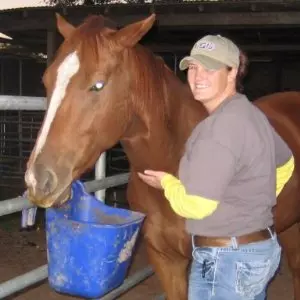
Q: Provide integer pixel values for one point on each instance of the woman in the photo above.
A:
(233, 161)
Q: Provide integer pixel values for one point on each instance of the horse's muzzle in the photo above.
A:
(43, 188)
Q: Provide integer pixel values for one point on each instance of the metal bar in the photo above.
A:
(23, 281)
(20, 282)
(227, 19)
(107, 182)
(284, 13)
(13, 205)
(22, 103)
(100, 169)
(130, 282)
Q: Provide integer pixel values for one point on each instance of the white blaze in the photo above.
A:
(68, 68)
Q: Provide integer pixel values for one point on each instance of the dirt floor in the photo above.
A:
(21, 252)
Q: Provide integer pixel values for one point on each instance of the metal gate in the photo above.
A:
(9, 206)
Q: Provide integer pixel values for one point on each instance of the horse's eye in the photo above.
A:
(98, 86)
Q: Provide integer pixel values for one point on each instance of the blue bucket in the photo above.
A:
(90, 244)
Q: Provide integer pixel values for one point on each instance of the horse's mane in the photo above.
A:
(150, 74)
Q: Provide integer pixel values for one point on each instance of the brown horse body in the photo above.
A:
(119, 90)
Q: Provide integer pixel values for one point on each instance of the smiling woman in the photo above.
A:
(221, 179)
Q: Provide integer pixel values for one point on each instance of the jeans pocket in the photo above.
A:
(205, 263)
(252, 277)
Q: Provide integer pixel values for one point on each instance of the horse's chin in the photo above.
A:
(56, 199)
(62, 198)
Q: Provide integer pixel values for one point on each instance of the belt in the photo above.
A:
(257, 236)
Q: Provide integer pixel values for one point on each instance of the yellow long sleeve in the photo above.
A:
(283, 174)
(187, 206)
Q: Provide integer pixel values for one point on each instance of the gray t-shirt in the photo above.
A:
(231, 156)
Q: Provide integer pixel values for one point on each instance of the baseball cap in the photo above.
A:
(213, 52)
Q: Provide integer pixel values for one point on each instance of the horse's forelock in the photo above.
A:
(95, 24)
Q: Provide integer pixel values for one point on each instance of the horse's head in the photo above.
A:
(87, 91)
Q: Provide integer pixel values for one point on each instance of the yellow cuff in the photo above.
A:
(167, 179)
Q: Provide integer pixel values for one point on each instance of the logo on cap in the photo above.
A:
(205, 45)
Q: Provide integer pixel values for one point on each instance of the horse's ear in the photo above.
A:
(129, 35)
(64, 27)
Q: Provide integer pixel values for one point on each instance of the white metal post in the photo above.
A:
(100, 170)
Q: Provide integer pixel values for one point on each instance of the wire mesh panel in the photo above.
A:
(18, 132)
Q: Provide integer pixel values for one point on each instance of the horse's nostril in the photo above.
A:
(46, 179)
(48, 183)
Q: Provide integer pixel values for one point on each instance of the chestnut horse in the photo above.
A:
(104, 87)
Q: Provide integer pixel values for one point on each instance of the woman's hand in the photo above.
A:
(152, 178)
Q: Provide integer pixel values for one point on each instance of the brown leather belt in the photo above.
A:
(257, 236)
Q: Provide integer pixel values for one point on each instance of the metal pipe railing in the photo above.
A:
(23, 281)
(22, 103)
(17, 204)
(13, 205)
(129, 283)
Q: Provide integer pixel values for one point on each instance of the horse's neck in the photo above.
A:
(155, 140)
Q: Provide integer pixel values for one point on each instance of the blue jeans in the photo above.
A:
(239, 272)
